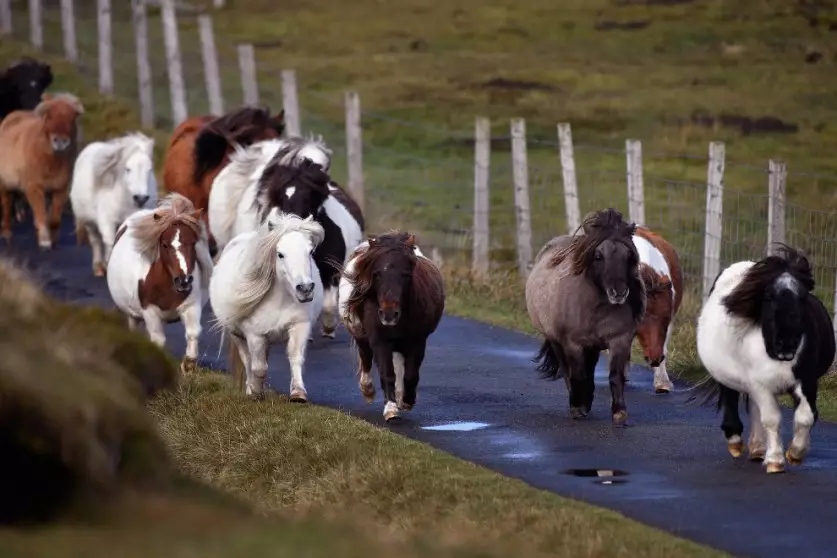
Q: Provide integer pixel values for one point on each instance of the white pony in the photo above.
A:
(159, 271)
(762, 332)
(266, 288)
(111, 180)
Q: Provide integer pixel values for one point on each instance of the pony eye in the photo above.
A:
(280, 255)
(598, 256)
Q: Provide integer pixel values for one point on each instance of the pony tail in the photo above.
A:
(549, 364)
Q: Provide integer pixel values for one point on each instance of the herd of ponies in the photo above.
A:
(253, 223)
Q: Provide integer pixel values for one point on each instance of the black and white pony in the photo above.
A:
(762, 332)
(289, 175)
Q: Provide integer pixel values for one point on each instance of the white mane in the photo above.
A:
(295, 149)
(110, 162)
(259, 272)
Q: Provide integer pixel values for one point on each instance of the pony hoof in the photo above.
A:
(328, 333)
(794, 457)
(391, 411)
(577, 413)
(405, 406)
(368, 392)
(666, 388)
(99, 270)
(620, 418)
(735, 448)
(756, 455)
(775, 468)
(188, 365)
(298, 396)
(259, 396)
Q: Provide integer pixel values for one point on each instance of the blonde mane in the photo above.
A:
(171, 210)
(48, 100)
(259, 262)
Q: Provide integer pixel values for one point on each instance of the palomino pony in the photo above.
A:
(763, 332)
(584, 294)
(252, 185)
(39, 149)
(391, 300)
(659, 268)
(266, 288)
(111, 180)
(200, 147)
(159, 271)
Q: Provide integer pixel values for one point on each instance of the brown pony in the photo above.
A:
(200, 147)
(391, 300)
(39, 148)
(659, 268)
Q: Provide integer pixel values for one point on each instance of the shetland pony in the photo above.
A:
(391, 300)
(111, 180)
(159, 270)
(39, 148)
(659, 269)
(265, 289)
(287, 175)
(762, 332)
(22, 84)
(200, 146)
(584, 294)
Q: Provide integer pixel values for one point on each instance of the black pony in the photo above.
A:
(763, 332)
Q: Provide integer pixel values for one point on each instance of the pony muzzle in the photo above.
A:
(655, 362)
(140, 201)
(183, 283)
(389, 315)
(614, 297)
(60, 143)
(305, 292)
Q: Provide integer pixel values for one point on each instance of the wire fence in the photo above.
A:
(421, 177)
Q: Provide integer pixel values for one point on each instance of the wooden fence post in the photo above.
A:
(218, 3)
(247, 67)
(776, 204)
(520, 168)
(290, 103)
(36, 24)
(68, 28)
(210, 65)
(482, 155)
(6, 17)
(636, 189)
(714, 216)
(177, 89)
(105, 48)
(354, 148)
(146, 91)
(571, 203)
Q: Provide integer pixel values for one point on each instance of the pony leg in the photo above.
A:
(133, 323)
(572, 364)
(386, 369)
(804, 418)
(155, 327)
(329, 311)
(591, 358)
(731, 423)
(99, 266)
(257, 370)
(6, 201)
(365, 358)
(59, 200)
(771, 417)
(412, 365)
(107, 235)
(757, 444)
(192, 324)
(37, 201)
(398, 366)
(620, 356)
(662, 383)
(240, 346)
(297, 345)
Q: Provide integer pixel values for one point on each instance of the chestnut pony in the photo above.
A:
(39, 148)
(200, 147)
(659, 269)
(391, 300)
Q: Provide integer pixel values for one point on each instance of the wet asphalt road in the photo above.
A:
(678, 474)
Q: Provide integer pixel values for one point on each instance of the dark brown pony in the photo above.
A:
(200, 147)
(584, 294)
(39, 149)
(395, 300)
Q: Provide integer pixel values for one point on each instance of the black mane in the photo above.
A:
(16, 89)
(746, 299)
(598, 226)
(277, 178)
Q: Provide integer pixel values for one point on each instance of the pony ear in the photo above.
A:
(411, 241)
(280, 117)
(198, 213)
(46, 96)
(372, 239)
(270, 226)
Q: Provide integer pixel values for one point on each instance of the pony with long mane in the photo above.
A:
(159, 271)
(287, 175)
(200, 147)
(764, 333)
(111, 180)
(266, 289)
(659, 269)
(39, 149)
(584, 294)
(391, 300)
